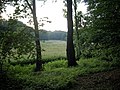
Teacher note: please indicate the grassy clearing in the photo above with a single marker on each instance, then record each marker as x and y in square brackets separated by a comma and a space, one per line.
[56, 75]
[53, 49]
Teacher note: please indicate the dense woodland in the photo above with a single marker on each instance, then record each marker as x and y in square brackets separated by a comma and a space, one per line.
[80, 59]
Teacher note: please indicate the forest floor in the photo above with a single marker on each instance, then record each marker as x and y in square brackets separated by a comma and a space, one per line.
[109, 80]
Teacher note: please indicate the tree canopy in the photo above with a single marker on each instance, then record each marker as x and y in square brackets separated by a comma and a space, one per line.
[103, 29]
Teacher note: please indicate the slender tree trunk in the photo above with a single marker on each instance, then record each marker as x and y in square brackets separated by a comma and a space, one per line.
[77, 33]
[37, 41]
[70, 46]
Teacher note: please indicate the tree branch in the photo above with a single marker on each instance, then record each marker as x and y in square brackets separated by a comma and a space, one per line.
[29, 6]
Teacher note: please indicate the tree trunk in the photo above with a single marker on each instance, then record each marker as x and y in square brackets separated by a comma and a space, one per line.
[37, 41]
[77, 33]
[70, 46]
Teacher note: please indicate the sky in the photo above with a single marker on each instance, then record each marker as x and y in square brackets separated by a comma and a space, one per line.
[51, 10]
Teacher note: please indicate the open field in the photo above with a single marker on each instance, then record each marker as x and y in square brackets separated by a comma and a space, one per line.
[53, 49]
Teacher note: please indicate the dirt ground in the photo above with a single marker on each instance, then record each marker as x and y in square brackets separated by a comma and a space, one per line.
[109, 80]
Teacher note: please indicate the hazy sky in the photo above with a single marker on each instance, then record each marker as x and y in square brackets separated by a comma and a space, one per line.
[53, 11]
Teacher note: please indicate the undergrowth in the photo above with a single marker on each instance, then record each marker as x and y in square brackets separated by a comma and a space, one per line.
[56, 75]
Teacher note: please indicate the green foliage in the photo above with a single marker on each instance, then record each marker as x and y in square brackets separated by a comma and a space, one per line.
[55, 64]
[101, 36]
[85, 45]
[22, 69]
[105, 18]
[93, 65]
[16, 41]
[56, 75]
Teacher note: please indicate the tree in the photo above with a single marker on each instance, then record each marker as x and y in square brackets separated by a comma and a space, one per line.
[77, 24]
[37, 41]
[70, 46]
[16, 41]
[36, 31]
[76, 28]
[105, 27]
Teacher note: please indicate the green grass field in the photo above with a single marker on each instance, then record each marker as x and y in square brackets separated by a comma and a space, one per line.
[53, 49]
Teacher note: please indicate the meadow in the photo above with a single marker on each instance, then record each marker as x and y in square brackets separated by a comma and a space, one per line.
[53, 49]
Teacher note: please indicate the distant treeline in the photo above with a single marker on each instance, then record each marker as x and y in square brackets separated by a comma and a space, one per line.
[55, 35]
